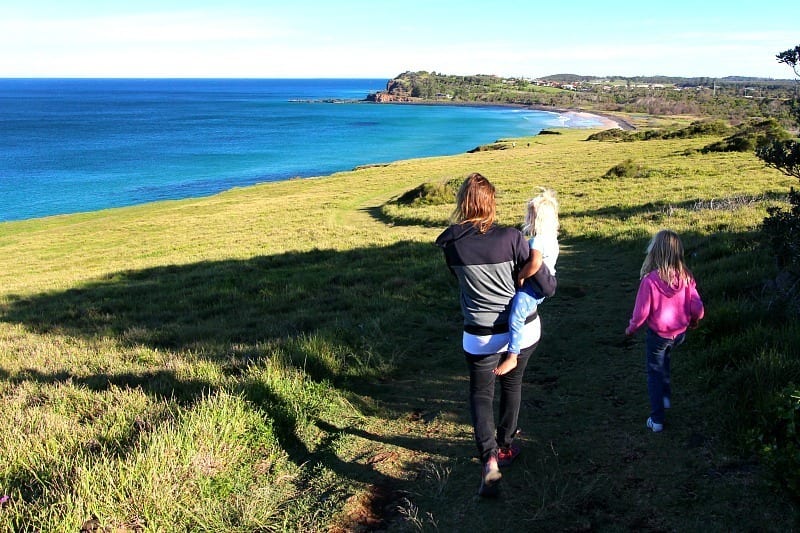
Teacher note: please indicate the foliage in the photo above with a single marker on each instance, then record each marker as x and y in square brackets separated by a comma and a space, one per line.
[750, 136]
[627, 169]
[777, 437]
[699, 128]
[613, 134]
[783, 155]
[431, 193]
[782, 226]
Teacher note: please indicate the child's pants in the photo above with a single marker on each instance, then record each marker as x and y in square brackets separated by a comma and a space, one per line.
[524, 303]
[659, 352]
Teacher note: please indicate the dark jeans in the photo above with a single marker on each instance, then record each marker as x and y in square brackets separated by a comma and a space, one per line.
[659, 386]
[481, 400]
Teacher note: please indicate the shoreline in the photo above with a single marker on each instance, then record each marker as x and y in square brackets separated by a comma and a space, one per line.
[608, 120]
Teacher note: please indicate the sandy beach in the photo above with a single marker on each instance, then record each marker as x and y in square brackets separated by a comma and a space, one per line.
[607, 121]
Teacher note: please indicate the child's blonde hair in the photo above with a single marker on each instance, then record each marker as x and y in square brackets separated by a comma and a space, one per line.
[541, 214]
[665, 254]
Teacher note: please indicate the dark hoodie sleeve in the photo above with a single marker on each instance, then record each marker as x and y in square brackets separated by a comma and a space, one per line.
[544, 283]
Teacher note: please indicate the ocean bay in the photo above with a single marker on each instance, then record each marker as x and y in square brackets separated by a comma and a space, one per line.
[75, 145]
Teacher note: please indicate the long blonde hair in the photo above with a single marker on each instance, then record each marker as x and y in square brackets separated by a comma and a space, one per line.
[475, 203]
[665, 254]
[541, 215]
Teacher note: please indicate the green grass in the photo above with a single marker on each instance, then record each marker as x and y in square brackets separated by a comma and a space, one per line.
[286, 357]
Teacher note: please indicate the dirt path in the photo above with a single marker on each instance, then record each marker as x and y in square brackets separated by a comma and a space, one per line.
[588, 462]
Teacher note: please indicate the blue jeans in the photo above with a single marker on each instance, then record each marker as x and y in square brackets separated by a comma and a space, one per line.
[658, 353]
[524, 303]
[481, 400]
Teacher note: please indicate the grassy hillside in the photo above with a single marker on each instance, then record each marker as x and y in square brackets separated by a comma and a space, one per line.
[286, 357]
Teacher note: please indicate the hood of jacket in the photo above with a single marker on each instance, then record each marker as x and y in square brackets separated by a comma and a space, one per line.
[667, 289]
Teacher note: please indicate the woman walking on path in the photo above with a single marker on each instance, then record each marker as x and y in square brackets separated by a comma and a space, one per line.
[669, 303]
[486, 258]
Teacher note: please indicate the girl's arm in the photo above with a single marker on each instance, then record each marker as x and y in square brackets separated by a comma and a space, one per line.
[641, 309]
[530, 267]
[696, 308]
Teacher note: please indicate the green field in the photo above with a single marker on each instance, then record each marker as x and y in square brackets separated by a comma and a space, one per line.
[286, 357]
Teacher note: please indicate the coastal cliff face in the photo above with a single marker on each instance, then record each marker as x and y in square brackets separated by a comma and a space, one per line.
[397, 90]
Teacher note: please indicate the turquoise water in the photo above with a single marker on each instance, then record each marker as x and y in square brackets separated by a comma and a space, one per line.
[81, 145]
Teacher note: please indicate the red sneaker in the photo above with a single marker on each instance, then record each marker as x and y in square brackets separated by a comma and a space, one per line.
[506, 456]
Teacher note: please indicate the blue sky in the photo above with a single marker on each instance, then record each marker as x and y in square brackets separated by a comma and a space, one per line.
[363, 39]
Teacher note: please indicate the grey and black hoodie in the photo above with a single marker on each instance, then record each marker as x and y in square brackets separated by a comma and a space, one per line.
[486, 265]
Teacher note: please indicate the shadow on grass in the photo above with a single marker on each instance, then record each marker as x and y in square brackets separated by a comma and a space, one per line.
[363, 298]
[377, 213]
[722, 203]
[341, 317]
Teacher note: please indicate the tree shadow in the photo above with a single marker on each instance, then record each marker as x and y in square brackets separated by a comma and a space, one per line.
[378, 214]
[231, 309]
[663, 207]
[371, 306]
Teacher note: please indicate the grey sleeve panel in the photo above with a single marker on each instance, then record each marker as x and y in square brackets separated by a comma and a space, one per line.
[486, 292]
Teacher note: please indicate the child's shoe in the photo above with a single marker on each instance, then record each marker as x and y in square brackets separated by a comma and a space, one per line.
[506, 455]
[654, 426]
[490, 477]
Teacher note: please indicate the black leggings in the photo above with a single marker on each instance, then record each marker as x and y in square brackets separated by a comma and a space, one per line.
[481, 400]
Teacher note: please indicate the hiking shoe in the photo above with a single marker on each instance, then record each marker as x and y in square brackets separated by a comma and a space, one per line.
[506, 455]
[490, 478]
[654, 426]
[667, 402]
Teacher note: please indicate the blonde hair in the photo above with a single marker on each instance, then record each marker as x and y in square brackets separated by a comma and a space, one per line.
[541, 215]
[475, 203]
[665, 254]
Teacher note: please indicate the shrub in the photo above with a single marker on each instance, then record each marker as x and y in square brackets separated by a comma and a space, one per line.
[700, 128]
[778, 438]
[627, 169]
[431, 193]
[615, 134]
[489, 147]
[749, 136]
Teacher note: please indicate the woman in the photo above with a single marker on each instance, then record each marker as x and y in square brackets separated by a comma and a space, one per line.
[486, 258]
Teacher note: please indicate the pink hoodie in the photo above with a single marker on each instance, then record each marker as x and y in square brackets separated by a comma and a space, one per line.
[668, 309]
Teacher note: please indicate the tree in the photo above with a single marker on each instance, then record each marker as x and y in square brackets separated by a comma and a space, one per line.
[783, 226]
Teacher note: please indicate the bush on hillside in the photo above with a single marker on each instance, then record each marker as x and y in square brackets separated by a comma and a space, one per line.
[431, 193]
[614, 134]
[628, 169]
[699, 128]
[750, 136]
[779, 440]
[489, 147]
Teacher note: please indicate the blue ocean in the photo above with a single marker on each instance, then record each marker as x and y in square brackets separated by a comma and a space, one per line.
[74, 145]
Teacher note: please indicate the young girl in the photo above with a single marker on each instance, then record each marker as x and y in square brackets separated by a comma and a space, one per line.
[541, 225]
[669, 303]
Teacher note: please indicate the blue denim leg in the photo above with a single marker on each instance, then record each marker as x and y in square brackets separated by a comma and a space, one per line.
[658, 355]
[523, 305]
